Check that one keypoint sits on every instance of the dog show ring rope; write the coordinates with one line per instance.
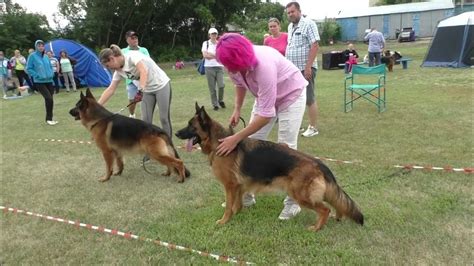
(128, 235)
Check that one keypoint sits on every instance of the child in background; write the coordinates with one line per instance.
(350, 56)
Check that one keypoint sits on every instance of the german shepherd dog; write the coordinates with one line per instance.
(259, 166)
(115, 134)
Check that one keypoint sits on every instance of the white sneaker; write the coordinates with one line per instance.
(247, 200)
(311, 131)
(5, 97)
(289, 211)
(51, 122)
(131, 116)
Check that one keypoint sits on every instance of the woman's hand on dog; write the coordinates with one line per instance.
(227, 145)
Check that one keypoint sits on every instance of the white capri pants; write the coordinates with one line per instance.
(289, 122)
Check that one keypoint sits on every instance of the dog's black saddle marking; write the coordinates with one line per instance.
(131, 130)
(266, 161)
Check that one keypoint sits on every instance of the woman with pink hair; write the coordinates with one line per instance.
(279, 90)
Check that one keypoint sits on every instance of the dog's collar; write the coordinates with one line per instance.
(101, 120)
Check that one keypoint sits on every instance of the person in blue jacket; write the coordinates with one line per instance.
(39, 68)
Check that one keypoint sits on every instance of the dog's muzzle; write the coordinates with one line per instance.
(75, 113)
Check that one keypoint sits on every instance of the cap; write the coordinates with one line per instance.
(212, 30)
(131, 33)
(38, 42)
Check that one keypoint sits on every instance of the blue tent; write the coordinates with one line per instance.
(88, 68)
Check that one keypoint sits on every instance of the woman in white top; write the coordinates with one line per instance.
(152, 82)
(214, 70)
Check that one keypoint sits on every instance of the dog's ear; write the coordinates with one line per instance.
(82, 96)
(89, 94)
(196, 105)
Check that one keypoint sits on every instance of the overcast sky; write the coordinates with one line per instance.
(314, 9)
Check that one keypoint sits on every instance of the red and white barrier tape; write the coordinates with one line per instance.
(467, 170)
(128, 235)
(66, 141)
(334, 160)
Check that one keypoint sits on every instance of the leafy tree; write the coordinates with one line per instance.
(254, 20)
(20, 29)
(396, 2)
(161, 24)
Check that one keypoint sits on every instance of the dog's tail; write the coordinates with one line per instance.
(338, 198)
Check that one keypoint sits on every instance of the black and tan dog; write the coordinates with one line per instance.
(115, 135)
(258, 166)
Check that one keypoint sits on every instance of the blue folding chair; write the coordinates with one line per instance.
(365, 83)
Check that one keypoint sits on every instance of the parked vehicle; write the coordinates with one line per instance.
(406, 35)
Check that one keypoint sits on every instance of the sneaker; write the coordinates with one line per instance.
(216, 108)
(51, 122)
(311, 131)
(289, 211)
(131, 116)
(222, 104)
(247, 200)
(5, 97)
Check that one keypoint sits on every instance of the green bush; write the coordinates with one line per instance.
(329, 30)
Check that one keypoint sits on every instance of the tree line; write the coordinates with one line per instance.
(170, 29)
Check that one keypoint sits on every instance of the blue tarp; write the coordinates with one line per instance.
(88, 68)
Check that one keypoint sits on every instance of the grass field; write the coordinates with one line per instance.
(416, 217)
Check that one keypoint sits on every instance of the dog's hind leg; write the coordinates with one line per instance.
(237, 206)
(109, 161)
(323, 212)
(158, 150)
(171, 163)
(119, 161)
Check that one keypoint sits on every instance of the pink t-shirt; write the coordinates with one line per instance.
(275, 82)
(279, 43)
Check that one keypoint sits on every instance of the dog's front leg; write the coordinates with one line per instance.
(229, 202)
(109, 160)
(119, 160)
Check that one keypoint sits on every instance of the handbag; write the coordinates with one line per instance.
(201, 69)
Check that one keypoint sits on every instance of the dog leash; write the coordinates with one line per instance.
(138, 98)
(128, 105)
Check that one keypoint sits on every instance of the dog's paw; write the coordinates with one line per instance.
(104, 178)
(180, 179)
(118, 172)
(221, 221)
(313, 228)
(167, 173)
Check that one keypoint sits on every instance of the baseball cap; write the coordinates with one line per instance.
(131, 33)
(212, 30)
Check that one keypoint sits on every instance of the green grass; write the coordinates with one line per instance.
(416, 217)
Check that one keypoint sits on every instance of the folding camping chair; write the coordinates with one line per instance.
(369, 85)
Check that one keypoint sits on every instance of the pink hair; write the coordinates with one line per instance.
(235, 52)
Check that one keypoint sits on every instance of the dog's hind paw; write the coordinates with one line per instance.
(104, 178)
(118, 172)
(221, 221)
